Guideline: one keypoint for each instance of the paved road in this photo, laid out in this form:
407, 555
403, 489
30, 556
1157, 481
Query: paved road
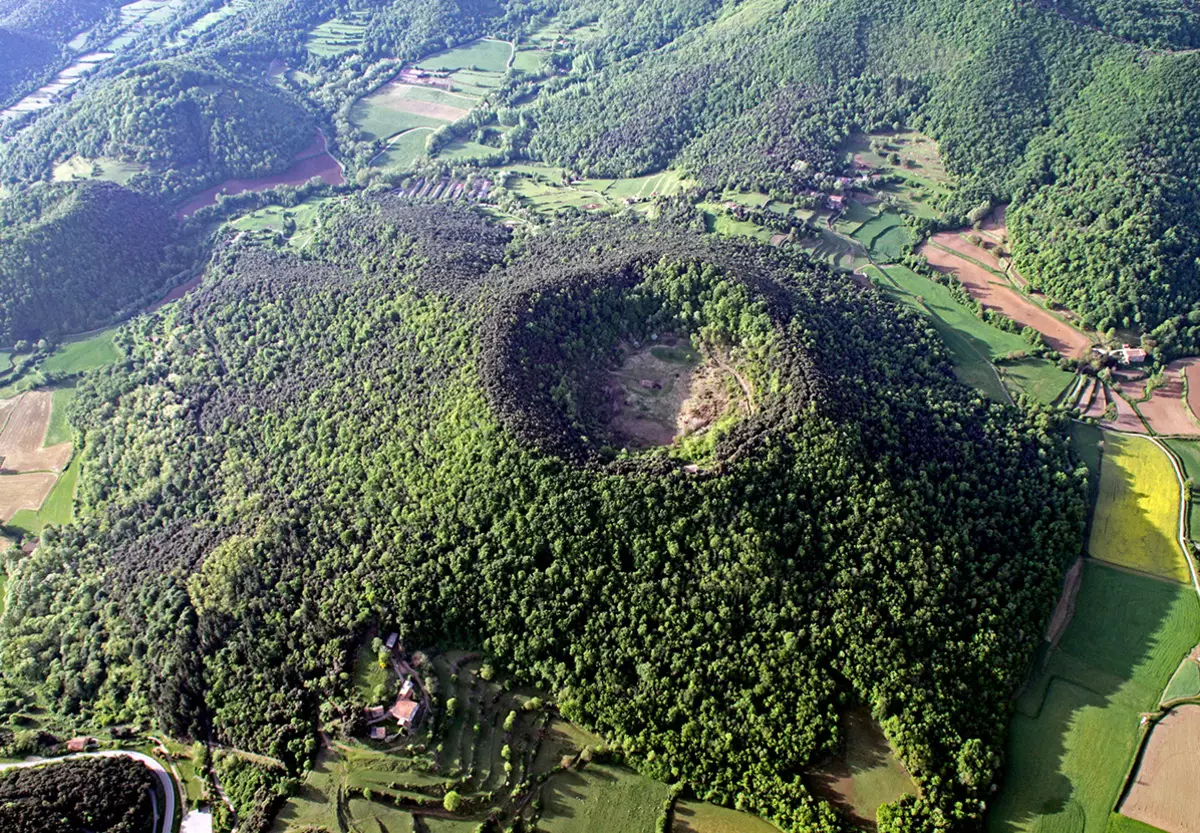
164, 778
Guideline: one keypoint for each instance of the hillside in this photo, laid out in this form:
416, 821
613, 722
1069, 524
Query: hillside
192, 126
25, 58
401, 431
54, 20
72, 257
1011, 98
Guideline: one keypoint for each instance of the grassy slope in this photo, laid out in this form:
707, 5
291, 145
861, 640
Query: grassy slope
59, 507
601, 799
1076, 729
83, 354
1189, 456
488, 55
59, 430
1138, 510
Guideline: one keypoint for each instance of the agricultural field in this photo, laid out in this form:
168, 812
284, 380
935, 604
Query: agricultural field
1039, 378
885, 235
993, 291
866, 775
403, 150
297, 223
82, 354
484, 55
337, 36
397, 107
1163, 788
208, 21
1185, 682
1076, 729
1137, 513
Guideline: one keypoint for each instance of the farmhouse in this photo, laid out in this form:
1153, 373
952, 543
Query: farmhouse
836, 201
1130, 355
405, 712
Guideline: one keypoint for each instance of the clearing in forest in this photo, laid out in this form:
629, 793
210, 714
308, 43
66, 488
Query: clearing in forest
398, 106
337, 36
1137, 514
484, 55
1163, 790
866, 775
601, 799
1076, 729
665, 390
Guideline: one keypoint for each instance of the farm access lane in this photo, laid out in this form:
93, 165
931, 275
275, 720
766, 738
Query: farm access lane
164, 779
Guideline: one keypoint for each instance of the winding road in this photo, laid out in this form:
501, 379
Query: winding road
167, 823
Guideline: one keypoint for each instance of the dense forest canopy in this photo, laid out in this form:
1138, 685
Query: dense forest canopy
74, 257
321, 444
100, 795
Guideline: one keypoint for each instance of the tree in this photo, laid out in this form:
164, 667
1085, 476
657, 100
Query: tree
452, 801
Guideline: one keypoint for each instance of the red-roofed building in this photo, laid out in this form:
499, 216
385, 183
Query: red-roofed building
405, 712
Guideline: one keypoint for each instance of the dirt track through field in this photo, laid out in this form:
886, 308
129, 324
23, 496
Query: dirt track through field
21, 440
989, 291
1165, 785
24, 491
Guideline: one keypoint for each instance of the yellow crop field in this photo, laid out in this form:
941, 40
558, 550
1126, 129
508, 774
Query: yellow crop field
1137, 512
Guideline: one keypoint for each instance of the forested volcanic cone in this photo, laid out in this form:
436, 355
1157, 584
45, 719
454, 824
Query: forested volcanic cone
708, 496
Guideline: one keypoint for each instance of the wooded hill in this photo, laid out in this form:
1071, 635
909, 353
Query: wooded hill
1015, 92
74, 257
102, 795
302, 449
192, 125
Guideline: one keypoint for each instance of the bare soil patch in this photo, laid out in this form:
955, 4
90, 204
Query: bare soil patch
1065, 608
993, 294
396, 96
1166, 412
314, 161
1164, 788
21, 440
1099, 402
24, 491
981, 253
665, 390
1127, 418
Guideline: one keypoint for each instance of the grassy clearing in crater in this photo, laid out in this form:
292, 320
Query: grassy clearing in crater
667, 390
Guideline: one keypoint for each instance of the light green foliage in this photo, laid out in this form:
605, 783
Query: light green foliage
601, 799
485, 54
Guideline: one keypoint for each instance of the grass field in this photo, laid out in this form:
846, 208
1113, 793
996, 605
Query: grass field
483, 54
1086, 442
1189, 458
337, 36
404, 150
1185, 682
84, 354
702, 817
1138, 510
1039, 378
272, 219
973, 343
884, 234
59, 430
112, 170
1076, 729
601, 799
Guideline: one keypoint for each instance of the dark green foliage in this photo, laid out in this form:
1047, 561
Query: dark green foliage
96, 795
73, 257
54, 20
255, 791
23, 59
303, 448
192, 126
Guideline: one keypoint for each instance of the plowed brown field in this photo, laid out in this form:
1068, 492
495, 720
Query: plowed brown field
23, 491
21, 439
1164, 790
992, 293
1166, 412
1127, 418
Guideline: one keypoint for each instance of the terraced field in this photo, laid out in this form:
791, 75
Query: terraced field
337, 36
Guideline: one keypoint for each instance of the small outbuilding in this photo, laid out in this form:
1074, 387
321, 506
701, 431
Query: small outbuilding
81, 744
